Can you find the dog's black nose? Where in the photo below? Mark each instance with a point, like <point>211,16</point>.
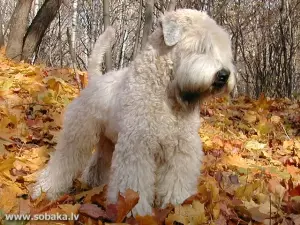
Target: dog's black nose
<point>221,78</point>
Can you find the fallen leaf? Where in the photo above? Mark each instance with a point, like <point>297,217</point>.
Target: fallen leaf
<point>93,211</point>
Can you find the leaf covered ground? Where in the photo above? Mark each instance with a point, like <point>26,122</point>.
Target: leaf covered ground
<point>250,173</point>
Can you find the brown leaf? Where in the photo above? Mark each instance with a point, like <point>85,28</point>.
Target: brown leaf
<point>62,200</point>
<point>112,212</point>
<point>100,199</point>
<point>234,179</point>
<point>295,218</point>
<point>295,191</point>
<point>87,195</point>
<point>146,220</point>
<point>92,211</point>
<point>176,219</point>
<point>221,220</point>
<point>196,197</point>
<point>70,209</point>
<point>125,204</point>
<point>161,214</point>
<point>131,220</point>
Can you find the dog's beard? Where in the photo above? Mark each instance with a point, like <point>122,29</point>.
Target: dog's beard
<point>189,99</point>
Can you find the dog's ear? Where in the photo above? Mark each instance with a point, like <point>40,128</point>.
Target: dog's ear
<point>171,31</point>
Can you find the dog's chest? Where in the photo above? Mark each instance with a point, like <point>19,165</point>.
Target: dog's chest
<point>173,133</point>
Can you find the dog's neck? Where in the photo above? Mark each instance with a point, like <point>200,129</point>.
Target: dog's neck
<point>158,63</point>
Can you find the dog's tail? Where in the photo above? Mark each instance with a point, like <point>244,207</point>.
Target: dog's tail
<point>101,46</point>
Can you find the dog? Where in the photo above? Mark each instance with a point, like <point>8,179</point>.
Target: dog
<point>144,119</point>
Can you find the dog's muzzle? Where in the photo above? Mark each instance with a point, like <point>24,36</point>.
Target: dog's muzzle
<point>190,96</point>
<point>221,78</point>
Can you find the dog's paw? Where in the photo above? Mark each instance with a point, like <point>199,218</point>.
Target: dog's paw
<point>37,192</point>
<point>52,185</point>
<point>143,208</point>
<point>52,192</point>
<point>174,197</point>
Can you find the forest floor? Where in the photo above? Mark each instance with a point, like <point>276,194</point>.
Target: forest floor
<point>250,173</point>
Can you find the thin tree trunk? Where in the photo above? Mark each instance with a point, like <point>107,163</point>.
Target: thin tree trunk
<point>138,31</point>
<point>73,42</point>
<point>38,27</point>
<point>36,7</point>
<point>148,21</point>
<point>73,58</point>
<point>18,26</point>
<point>60,40</point>
<point>171,5</point>
<point>108,55</point>
<point>74,25</point>
<point>123,49</point>
<point>86,39</point>
<point>1,31</point>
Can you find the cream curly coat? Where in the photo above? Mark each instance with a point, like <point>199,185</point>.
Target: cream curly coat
<point>144,119</point>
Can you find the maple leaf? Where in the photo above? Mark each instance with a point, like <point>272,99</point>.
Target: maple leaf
<point>146,220</point>
<point>93,211</point>
<point>117,212</point>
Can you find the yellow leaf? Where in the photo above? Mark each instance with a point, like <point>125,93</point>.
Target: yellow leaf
<point>173,218</point>
<point>250,118</point>
<point>247,191</point>
<point>216,211</point>
<point>70,210</point>
<point>8,196</point>
<point>275,119</point>
<point>254,145</point>
<point>236,160</point>
<point>288,145</point>
<point>7,163</point>
<point>297,145</point>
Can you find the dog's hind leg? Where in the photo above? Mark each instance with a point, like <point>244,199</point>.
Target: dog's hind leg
<point>80,134</point>
<point>98,169</point>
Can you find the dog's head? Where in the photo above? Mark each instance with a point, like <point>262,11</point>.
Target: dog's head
<point>201,54</point>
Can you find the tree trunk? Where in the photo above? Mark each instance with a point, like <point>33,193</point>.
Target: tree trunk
<point>74,25</point>
<point>123,49</point>
<point>148,21</point>
<point>73,58</point>
<point>38,27</point>
<point>1,31</point>
<point>171,5</point>
<point>108,55</point>
<point>18,26</point>
<point>138,31</point>
<point>36,7</point>
<point>60,40</point>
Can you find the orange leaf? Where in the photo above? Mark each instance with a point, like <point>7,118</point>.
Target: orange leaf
<point>92,211</point>
<point>117,212</point>
<point>295,191</point>
<point>161,214</point>
<point>146,220</point>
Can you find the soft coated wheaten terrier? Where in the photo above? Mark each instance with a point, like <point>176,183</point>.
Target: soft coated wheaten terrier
<point>144,119</point>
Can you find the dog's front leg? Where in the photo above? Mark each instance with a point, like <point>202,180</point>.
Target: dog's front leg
<point>133,167</point>
<point>177,179</point>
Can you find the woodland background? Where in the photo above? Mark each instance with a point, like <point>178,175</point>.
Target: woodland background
<point>265,35</point>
